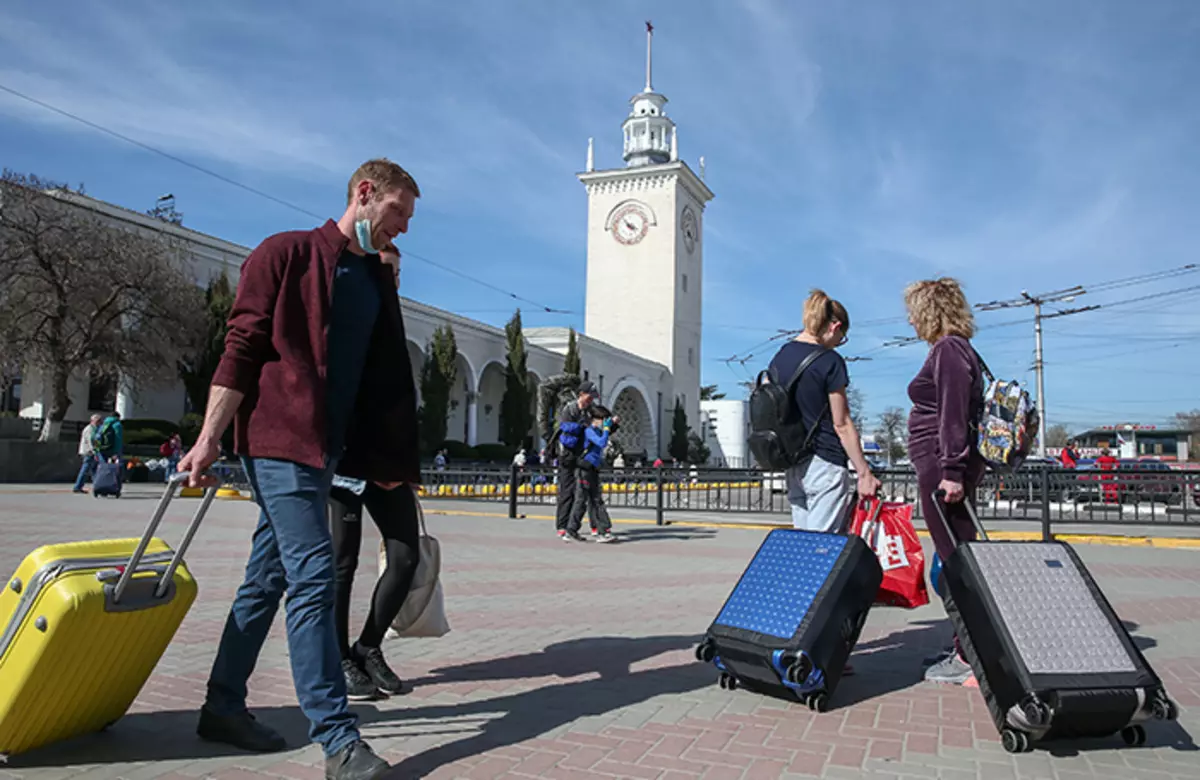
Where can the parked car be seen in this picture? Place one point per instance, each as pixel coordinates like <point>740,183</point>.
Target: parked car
<point>1132,481</point>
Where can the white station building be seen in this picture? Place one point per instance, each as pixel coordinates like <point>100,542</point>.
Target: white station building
<point>641,341</point>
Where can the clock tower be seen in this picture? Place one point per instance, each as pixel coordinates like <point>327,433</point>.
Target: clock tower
<point>645,253</point>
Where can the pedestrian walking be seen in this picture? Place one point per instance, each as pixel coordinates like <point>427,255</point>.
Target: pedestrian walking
<point>316,378</point>
<point>87,452</point>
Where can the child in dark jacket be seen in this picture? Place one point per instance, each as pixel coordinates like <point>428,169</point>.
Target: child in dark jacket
<point>589,495</point>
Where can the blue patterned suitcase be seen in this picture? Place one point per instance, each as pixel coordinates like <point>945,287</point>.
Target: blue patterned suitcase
<point>796,613</point>
<point>1052,658</point>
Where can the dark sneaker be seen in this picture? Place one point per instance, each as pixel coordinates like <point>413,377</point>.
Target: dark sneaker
<point>572,536</point>
<point>359,685</point>
<point>380,674</point>
<point>356,762</point>
<point>241,731</point>
<point>952,670</point>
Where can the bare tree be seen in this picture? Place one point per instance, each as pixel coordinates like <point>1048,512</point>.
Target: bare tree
<point>892,433</point>
<point>1189,421</point>
<point>78,294</point>
<point>857,400</point>
<point>1057,436</point>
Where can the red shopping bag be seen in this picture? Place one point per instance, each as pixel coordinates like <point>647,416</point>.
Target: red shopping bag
<point>887,528</point>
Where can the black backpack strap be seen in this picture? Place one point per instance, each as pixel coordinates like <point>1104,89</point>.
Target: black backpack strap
<point>984,366</point>
<point>804,364</point>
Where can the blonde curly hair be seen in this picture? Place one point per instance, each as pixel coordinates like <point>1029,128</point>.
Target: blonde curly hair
<point>937,308</point>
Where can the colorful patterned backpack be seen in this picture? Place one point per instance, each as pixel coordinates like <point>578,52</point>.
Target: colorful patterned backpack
<point>1008,424</point>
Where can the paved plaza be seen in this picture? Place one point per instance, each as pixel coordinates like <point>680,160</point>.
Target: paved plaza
<point>576,662</point>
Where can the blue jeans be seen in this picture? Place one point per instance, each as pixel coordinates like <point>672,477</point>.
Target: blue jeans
<point>291,550</point>
<point>86,467</point>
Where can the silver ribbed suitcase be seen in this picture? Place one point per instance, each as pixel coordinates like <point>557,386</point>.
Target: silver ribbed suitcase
<point>1052,658</point>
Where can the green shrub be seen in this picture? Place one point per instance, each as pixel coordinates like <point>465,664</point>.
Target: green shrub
<point>147,431</point>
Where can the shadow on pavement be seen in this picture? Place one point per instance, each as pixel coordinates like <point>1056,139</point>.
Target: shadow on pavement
<point>655,534</point>
<point>488,723</point>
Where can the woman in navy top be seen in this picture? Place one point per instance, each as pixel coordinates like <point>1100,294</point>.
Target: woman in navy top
<point>820,488</point>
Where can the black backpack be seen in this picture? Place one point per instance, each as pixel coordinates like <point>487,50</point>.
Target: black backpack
<point>778,436</point>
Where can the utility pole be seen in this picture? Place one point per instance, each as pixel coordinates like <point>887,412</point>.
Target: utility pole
<point>1037,301</point>
<point>1038,367</point>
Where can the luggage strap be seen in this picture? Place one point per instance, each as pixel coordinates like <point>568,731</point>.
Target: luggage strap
<point>169,573</point>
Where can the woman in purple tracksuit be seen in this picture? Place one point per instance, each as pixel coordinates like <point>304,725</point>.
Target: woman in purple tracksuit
<point>947,398</point>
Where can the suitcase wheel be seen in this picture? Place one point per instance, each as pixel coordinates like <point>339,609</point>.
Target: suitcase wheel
<point>705,652</point>
<point>1165,709</point>
<point>727,681</point>
<point>818,702</point>
<point>799,670</point>
<point>1015,741</point>
<point>1134,736</point>
<point>1037,713</point>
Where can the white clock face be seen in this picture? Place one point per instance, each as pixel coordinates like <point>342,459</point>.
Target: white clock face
<point>630,224</point>
<point>688,227</point>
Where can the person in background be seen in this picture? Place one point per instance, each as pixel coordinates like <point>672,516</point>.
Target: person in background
<point>109,439</point>
<point>1069,457</point>
<point>590,495</point>
<point>172,450</point>
<point>820,489</point>
<point>573,419</point>
<point>947,397</point>
<point>1108,483</point>
<point>87,453</point>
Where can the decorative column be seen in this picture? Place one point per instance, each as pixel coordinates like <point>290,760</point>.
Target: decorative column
<point>125,405</point>
<point>472,420</point>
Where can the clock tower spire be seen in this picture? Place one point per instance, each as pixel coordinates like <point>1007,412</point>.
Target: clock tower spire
<point>649,132</point>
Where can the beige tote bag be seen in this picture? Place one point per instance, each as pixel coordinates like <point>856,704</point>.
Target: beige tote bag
<point>423,613</point>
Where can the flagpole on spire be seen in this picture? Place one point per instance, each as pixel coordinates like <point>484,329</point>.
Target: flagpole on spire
<point>649,41</point>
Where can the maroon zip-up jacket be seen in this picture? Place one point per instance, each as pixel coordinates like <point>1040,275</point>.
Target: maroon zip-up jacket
<point>947,398</point>
<point>276,354</point>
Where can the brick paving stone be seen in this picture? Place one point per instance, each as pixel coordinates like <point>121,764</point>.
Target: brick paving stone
<point>538,680</point>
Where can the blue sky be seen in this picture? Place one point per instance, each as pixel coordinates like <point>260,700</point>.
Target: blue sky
<point>855,146</point>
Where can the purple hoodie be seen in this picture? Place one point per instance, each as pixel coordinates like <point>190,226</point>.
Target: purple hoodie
<point>947,397</point>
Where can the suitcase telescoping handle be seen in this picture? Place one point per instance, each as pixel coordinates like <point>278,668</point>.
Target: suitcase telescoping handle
<point>939,497</point>
<point>164,582</point>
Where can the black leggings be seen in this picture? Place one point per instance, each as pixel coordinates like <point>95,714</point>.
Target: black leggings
<point>395,515</point>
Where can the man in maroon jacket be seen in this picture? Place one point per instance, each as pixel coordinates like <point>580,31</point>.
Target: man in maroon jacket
<point>315,376</point>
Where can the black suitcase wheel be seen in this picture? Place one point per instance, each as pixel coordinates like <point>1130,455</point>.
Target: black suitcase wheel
<point>1037,713</point>
<point>798,670</point>
<point>1015,741</point>
<point>1165,709</point>
<point>705,652</point>
<point>818,702</point>
<point>1134,736</point>
<point>727,681</point>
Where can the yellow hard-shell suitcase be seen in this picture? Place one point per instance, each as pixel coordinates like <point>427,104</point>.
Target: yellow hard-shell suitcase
<point>84,624</point>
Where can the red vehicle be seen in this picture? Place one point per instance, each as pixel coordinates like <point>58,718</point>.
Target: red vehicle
<point>1124,481</point>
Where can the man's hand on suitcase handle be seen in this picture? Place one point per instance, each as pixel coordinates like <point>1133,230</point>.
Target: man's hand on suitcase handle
<point>197,460</point>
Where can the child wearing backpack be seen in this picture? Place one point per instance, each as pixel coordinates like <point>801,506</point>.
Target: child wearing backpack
<point>801,421</point>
